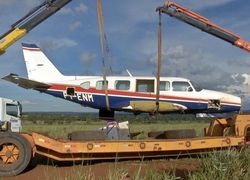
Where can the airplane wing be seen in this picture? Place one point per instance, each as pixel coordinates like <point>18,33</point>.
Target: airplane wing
<point>26,83</point>
<point>150,106</point>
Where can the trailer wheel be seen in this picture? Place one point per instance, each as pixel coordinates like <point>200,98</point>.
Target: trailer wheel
<point>15,153</point>
<point>180,134</point>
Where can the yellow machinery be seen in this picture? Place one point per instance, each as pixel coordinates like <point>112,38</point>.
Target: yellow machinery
<point>17,149</point>
<point>29,21</point>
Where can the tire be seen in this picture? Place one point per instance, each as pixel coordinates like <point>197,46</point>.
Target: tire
<point>87,135</point>
<point>15,154</point>
<point>180,134</point>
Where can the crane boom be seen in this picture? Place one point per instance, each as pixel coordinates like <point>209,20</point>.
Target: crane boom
<point>202,23</point>
<point>29,21</point>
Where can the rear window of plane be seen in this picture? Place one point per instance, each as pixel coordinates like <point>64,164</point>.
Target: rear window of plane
<point>122,85</point>
<point>100,85</point>
<point>85,85</point>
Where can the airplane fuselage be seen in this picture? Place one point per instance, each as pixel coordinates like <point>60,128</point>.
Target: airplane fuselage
<point>90,91</point>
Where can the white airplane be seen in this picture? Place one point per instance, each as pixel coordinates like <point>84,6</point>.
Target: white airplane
<point>124,93</point>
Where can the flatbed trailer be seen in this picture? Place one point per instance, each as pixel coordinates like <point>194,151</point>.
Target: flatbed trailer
<point>18,149</point>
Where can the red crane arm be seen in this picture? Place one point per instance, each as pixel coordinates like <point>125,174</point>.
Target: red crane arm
<point>200,22</point>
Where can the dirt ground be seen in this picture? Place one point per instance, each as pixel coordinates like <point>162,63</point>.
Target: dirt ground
<point>42,169</point>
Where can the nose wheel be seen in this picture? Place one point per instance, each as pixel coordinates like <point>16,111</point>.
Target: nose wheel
<point>15,153</point>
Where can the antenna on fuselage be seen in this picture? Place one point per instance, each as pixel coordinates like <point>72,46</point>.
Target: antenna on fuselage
<point>129,73</point>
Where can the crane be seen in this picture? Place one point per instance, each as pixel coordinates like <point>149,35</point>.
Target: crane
<point>30,21</point>
<point>202,23</point>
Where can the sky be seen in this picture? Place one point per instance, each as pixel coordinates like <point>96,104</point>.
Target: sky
<point>71,41</point>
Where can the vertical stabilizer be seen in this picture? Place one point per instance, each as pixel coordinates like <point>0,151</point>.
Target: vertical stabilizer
<point>38,66</point>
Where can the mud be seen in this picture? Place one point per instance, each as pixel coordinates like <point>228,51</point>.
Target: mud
<point>41,169</point>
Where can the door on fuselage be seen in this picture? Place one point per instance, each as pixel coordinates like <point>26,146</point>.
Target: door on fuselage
<point>145,85</point>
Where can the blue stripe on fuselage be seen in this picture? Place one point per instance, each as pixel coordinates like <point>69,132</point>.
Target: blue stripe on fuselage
<point>117,102</point>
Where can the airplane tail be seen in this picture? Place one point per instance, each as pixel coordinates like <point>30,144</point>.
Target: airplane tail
<point>39,67</point>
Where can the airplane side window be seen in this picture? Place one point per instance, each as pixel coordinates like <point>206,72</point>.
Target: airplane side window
<point>164,86</point>
<point>145,85</point>
<point>122,85</point>
<point>85,85</point>
<point>100,85</point>
<point>181,86</point>
<point>70,91</point>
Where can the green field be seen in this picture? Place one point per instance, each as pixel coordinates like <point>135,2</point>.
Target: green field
<point>59,125</point>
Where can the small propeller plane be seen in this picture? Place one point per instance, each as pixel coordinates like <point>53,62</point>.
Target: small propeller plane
<point>135,94</point>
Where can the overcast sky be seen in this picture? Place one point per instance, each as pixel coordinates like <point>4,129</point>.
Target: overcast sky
<point>71,41</point>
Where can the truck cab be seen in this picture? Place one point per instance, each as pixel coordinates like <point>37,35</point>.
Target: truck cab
<point>10,115</point>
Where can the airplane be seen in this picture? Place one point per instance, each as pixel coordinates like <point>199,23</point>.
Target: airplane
<point>136,94</point>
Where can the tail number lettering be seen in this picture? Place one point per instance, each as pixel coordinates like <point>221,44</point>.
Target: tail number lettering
<point>85,97</point>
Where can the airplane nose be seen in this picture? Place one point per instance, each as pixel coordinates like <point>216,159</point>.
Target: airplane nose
<point>232,101</point>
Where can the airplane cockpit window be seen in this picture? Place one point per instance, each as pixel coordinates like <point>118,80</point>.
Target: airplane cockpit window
<point>145,85</point>
<point>100,85</point>
<point>85,85</point>
<point>196,87</point>
<point>122,85</point>
<point>164,86</point>
<point>181,86</point>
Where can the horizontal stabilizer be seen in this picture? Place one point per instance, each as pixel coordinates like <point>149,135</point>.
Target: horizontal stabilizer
<point>26,83</point>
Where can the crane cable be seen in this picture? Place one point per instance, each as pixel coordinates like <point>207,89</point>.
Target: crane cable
<point>159,60</point>
<point>100,28</point>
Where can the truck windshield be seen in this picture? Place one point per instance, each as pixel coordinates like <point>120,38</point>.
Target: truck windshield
<point>12,110</point>
<point>196,87</point>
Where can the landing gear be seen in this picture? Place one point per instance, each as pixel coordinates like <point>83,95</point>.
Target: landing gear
<point>15,153</point>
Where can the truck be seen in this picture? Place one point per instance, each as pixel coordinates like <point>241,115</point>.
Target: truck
<point>10,115</point>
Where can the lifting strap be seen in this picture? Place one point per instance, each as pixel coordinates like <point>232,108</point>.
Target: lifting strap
<point>100,28</point>
<point>108,53</point>
<point>159,59</point>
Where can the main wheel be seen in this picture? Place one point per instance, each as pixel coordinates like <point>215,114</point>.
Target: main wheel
<point>15,153</point>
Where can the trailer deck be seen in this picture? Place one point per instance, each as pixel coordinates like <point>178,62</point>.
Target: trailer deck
<point>17,149</point>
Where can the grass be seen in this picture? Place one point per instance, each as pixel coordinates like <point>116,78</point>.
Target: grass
<point>229,164</point>
<point>61,130</point>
